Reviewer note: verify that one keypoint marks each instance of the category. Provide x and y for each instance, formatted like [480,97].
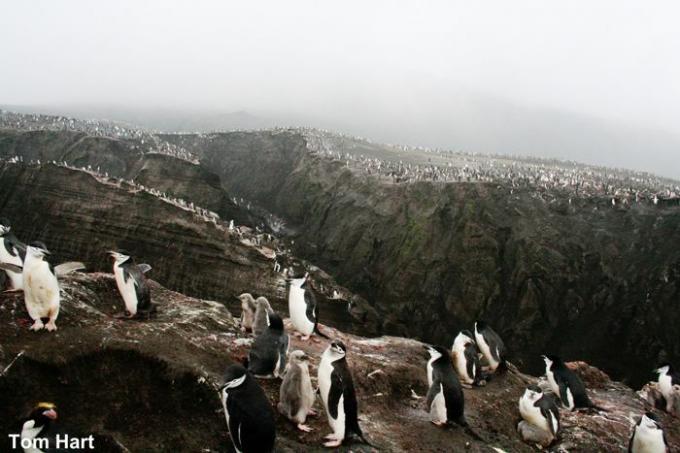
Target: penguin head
[551,360]
[479,326]
[337,350]
[650,421]
[533,393]
[43,414]
[247,301]
[119,256]
[464,338]
[37,249]
[298,357]
[4,226]
[663,369]
[234,377]
[436,351]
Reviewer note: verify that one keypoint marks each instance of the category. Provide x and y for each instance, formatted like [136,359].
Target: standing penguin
[466,358]
[12,251]
[668,378]
[566,384]
[37,428]
[249,415]
[132,284]
[248,308]
[336,388]
[303,308]
[41,288]
[261,317]
[267,357]
[490,344]
[296,396]
[540,410]
[445,399]
[648,436]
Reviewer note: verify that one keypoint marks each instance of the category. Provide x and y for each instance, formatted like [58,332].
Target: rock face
[151,385]
[575,277]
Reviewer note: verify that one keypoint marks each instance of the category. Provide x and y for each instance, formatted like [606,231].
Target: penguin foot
[330,436]
[464,385]
[438,423]
[304,428]
[312,412]
[332,443]
[51,326]
[37,325]
[304,337]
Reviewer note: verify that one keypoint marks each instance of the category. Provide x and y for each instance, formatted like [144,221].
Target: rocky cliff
[151,385]
[577,277]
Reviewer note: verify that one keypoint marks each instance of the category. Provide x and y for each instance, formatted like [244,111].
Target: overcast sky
[609,59]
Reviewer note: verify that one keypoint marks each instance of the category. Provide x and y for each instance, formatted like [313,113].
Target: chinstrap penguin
[267,357]
[567,385]
[648,436]
[132,284]
[668,378]
[336,388]
[491,346]
[466,359]
[41,288]
[296,396]
[249,415]
[303,309]
[540,410]
[248,308]
[12,251]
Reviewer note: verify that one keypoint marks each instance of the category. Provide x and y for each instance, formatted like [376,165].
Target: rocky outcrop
[575,277]
[150,385]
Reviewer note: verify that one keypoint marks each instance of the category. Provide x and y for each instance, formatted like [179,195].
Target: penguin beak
[51,414]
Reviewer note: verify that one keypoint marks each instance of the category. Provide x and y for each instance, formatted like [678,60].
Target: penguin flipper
[144,268]
[334,394]
[564,394]
[432,393]
[234,425]
[68,267]
[632,438]
[310,303]
[11,267]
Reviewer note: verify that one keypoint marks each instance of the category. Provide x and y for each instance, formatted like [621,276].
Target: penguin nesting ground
[296,396]
[249,415]
[336,388]
[303,308]
[262,312]
[466,359]
[41,288]
[541,412]
[38,429]
[648,436]
[12,251]
[567,385]
[267,357]
[491,345]
[132,284]
[668,379]
[248,308]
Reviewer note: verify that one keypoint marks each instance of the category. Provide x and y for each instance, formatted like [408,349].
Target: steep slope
[577,277]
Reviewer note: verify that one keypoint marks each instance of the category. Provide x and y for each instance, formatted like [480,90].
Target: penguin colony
[474,358]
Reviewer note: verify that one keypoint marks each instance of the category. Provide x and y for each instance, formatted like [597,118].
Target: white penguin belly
[15,277]
[648,441]
[127,290]
[553,384]
[486,351]
[461,366]
[336,424]
[41,291]
[298,311]
[665,385]
[438,409]
[533,415]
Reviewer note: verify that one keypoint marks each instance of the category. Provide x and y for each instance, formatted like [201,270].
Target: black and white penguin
[12,251]
[296,395]
[41,288]
[466,358]
[668,378]
[267,357]
[39,425]
[566,384]
[445,399]
[132,284]
[491,345]
[249,414]
[540,410]
[336,388]
[303,308]
[648,436]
